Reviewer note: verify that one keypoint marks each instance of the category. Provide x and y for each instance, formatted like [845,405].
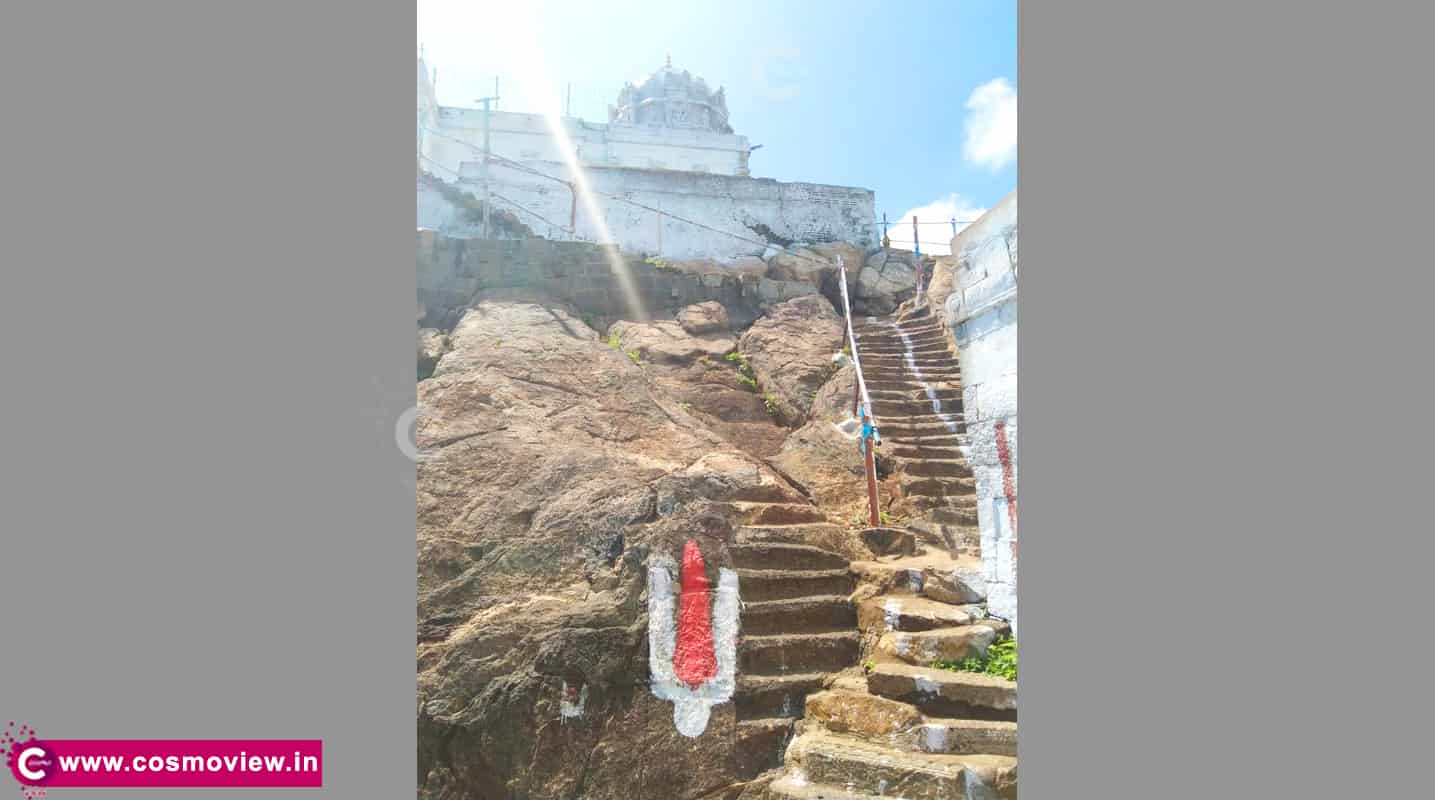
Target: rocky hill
[568,449]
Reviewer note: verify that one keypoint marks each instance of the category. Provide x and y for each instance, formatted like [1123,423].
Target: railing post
[863,406]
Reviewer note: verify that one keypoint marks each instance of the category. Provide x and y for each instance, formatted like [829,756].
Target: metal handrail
[869,432]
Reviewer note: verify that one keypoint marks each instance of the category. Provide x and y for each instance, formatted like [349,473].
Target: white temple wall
[730,204]
[527,137]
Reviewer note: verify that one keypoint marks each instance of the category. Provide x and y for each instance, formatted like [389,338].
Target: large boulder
[551,469]
[701,318]
[887,279]
[669,341]
[790,350]
[801,264]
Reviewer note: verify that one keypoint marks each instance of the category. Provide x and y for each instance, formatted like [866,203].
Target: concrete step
[757,585]
[749,513]
[781,555]
[868,767]
[760,744]
[937,467]
[798,615]
[922,648]
[910,613]
[765,696]
[784,654]
[939,692]
[948,440]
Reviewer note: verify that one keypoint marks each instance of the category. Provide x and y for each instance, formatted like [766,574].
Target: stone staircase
[892,725]
[798,628]
[914,380]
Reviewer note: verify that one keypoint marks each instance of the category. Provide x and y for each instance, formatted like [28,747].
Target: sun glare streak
[540,89]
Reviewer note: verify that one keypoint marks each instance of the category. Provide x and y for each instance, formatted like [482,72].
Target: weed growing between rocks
[999,660]
[745,375]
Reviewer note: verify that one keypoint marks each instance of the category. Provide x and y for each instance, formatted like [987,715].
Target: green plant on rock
[633,356]
[750,383]
[999,660]
[615,341]
[661,263]
[769,400]
[745,375]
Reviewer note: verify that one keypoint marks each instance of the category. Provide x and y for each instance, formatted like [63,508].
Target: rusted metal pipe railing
[863,402]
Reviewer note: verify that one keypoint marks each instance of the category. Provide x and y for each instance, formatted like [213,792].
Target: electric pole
[483,166]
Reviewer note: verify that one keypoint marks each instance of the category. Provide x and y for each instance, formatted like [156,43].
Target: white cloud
[935,238]
[991,125]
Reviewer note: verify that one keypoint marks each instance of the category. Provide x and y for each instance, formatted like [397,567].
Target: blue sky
[914,100]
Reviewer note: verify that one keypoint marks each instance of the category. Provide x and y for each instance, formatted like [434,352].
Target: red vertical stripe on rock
[694,660]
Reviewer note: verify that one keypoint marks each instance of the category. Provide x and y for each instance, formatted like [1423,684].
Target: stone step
[956,539]
[766,696]
[792,787]
[908,382]
[958,489]
[757,585]
[905,374]
[906,408]
[798,615]
[941,394]
[886,721]
[926,356]
[783,654]
[862,766]
[904,430]
[964,736]
[956,581]
[897,349]
[954,515]
[951,441]
[781,555]
[749,513]
[939,692]
[760,744]
[889,541]
[935,467]
[910,613]
[922,648]
[919,451]
[923,341]
[825,535]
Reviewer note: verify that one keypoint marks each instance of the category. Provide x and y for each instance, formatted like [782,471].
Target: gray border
[207,317]
[1219,208]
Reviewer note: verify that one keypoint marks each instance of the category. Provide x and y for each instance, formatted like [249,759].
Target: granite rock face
[551,468]
[790,349]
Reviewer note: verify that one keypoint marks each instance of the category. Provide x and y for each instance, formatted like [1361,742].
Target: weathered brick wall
[453,272]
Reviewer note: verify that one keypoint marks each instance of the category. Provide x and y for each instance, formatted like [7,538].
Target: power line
[511,202]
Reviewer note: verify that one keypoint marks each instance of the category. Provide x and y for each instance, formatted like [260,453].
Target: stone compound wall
[453,272]
[976,289]
[738,212]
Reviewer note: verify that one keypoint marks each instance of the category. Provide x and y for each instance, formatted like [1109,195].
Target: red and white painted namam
[692,655]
